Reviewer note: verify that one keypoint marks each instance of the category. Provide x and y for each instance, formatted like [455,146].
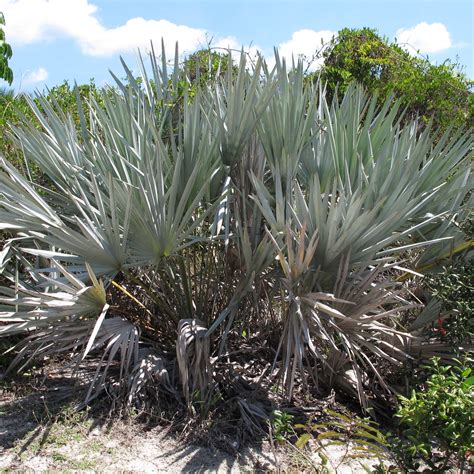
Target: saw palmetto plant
[171,221]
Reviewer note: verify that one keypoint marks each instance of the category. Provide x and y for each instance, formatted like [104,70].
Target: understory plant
[177,231]
[452,290]
[360,438]
[437,420]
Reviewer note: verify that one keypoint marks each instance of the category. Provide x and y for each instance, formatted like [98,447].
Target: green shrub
[5,54]
[12,108]
[437,420]
[203,68]
[454,288]
[438,93]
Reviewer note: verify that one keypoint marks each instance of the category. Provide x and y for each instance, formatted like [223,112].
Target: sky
[77,40]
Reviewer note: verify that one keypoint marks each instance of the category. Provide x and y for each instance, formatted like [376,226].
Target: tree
[5,54]
[432,92]
[206,64]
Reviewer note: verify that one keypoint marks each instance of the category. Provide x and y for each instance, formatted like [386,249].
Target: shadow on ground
[40,430]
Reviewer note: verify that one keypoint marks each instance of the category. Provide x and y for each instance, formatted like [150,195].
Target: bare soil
[40,431]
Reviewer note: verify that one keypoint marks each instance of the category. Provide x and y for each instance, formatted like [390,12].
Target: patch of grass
[55,431]
[95,445]
[80,464]
[58,457]
[52,441]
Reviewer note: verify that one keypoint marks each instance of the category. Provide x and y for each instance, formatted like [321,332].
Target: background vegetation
[441,94]
[5,54]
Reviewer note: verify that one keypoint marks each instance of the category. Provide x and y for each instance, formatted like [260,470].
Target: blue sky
[54,40]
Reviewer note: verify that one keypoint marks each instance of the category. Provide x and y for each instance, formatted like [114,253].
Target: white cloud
[30,21]
[424,37]
[304,44]
[137,33]
[38,75]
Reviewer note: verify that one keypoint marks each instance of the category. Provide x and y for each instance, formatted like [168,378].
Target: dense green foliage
[433,92]
[454,288]
[5,54]
[12,109]
[438,419]
[204,66]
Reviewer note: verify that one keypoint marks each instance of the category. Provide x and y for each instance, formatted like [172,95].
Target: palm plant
[363,192]
[166,214]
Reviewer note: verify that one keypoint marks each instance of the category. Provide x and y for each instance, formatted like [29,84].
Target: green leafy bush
[454,288]
[437,420]
[12,108]
[5,54]
[438,93]
[203,67]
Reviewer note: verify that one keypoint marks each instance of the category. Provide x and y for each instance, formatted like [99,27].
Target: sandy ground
[123,449]
[75,444]
[32,439]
